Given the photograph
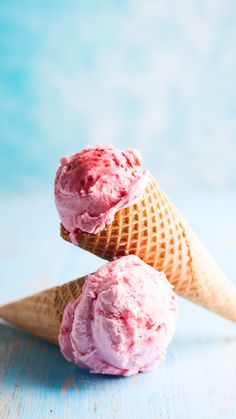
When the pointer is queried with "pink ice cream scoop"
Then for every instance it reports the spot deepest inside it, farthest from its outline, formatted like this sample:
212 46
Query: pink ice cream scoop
92 185
122 322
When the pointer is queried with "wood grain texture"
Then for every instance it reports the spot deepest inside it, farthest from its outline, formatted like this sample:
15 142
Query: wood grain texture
198 379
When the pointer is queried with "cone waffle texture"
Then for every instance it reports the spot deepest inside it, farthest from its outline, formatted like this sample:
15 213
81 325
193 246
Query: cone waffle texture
41 314
154 230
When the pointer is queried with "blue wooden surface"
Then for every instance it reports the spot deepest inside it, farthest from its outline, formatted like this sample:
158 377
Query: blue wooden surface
198 379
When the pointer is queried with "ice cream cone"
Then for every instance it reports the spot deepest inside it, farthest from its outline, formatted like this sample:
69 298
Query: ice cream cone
154 230
41 314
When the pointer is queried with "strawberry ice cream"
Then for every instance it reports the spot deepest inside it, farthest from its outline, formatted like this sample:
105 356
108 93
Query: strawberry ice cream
92 185
122 322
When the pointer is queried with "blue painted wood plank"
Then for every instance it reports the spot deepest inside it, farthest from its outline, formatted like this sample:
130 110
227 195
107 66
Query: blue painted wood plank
198 379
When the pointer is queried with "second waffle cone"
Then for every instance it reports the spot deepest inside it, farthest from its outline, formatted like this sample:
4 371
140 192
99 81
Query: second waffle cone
154 230
41 314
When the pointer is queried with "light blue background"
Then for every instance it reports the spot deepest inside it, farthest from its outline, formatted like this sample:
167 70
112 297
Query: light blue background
155 75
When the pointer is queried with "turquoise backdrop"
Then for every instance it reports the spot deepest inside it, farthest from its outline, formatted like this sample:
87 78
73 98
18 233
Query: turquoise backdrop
158 75
155 75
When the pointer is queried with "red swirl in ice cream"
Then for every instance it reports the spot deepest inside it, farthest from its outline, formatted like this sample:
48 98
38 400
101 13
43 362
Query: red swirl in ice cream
92 185
122 322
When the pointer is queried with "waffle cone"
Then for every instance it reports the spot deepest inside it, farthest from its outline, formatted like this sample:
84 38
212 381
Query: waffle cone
154 230
41 314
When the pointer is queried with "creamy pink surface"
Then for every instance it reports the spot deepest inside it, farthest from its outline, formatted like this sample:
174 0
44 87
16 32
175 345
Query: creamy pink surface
92 185
122 322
